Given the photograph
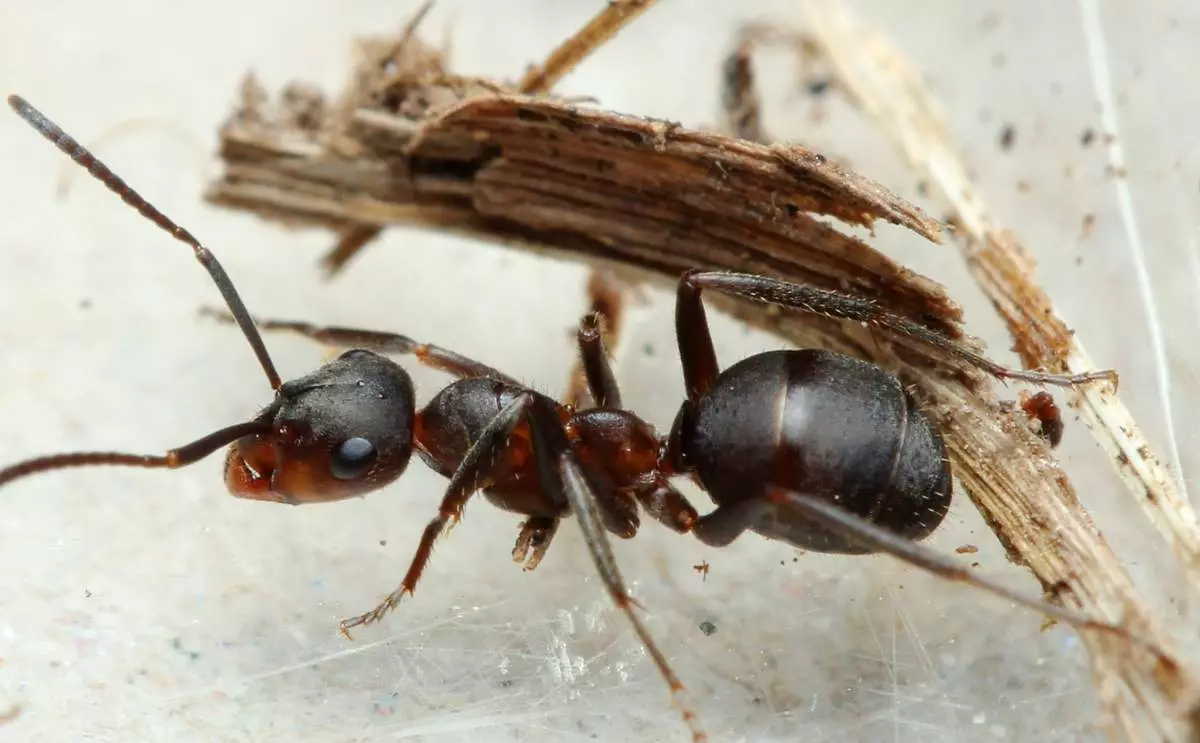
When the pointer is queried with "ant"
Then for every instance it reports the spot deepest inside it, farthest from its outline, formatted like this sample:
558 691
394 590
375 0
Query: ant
814 448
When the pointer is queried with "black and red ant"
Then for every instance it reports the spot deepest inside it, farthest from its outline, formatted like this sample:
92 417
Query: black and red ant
814 448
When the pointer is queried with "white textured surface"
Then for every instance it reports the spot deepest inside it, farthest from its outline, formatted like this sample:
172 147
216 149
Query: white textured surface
150 606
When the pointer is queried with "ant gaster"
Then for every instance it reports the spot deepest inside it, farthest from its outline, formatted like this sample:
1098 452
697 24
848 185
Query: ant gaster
814 448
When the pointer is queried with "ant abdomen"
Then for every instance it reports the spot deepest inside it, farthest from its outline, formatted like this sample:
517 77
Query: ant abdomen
825 425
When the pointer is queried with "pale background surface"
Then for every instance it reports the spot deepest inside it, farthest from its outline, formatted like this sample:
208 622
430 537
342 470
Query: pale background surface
149 606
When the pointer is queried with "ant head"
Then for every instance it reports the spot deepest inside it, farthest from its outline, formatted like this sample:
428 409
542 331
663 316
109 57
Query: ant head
342 431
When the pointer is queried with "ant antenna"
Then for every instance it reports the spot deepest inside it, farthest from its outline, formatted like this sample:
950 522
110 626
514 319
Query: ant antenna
105 175
173 459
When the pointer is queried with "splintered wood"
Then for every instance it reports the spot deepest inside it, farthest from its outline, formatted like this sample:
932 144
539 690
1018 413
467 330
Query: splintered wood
468 156
409 142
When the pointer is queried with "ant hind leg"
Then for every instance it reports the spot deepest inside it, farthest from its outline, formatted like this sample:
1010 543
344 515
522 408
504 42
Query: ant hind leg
878 539
803 298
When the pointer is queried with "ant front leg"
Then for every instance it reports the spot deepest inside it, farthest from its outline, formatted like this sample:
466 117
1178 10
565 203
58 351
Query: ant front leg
471 476
836 305
380 342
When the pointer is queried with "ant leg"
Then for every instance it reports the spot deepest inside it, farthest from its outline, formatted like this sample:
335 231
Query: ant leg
866 311
597 369
878 539
738 97
380 342
471 476
669 507
563 478
349 244
725 524
536 534
694 338
848 307
592 376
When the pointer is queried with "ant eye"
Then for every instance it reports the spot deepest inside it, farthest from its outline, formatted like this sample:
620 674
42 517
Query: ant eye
352 458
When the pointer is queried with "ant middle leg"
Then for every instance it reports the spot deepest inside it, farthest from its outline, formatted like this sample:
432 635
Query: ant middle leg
562 477
597 368
380 342
592 377
694 338
534 540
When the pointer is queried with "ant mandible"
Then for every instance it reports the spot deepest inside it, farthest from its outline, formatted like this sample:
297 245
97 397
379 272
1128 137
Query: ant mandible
810 447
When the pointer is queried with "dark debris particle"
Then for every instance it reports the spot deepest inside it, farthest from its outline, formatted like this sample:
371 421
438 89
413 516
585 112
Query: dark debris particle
818 86
708 628
1008 136
1088 136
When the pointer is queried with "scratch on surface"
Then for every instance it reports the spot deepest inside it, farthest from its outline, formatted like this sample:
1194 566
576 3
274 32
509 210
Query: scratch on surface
890 664
1038 698
1097 49
914 637
225 685
903 700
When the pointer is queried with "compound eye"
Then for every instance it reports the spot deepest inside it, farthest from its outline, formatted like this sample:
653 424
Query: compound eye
352 458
